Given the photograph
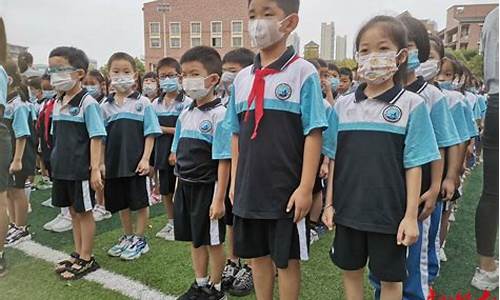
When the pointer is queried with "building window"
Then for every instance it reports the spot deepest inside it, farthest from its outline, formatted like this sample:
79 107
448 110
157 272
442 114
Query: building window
195 34
216 34
154 35
175 35
465 31
236 34
154 42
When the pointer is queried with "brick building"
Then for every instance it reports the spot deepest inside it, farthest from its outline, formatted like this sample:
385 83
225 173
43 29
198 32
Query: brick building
464 24
173 26
311 50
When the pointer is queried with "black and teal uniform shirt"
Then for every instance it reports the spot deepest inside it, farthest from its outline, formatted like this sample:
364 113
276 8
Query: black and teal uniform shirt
127 126
270 166
200 141
470 123
374 142
167 116
73 126
18 118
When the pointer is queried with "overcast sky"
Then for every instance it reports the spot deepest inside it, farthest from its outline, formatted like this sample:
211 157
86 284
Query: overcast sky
101 27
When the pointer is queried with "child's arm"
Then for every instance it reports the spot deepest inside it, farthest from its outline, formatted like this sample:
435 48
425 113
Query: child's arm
95 162
17 164
143 166
449 186
21 128
408 228
302 197
324 168
329 211
151 130
167 130
430 196
217 208
235 151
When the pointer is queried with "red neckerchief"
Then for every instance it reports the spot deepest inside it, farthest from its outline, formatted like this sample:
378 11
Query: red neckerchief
257 94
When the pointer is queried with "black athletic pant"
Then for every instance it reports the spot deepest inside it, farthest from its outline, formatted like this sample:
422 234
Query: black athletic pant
487 209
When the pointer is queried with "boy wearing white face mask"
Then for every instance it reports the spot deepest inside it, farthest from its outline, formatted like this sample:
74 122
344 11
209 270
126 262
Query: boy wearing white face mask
77 131
132 126
233 62
202 150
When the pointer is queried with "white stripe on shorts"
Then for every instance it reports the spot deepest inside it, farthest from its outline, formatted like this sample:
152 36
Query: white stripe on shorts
301 229
424 257
87 202
214 226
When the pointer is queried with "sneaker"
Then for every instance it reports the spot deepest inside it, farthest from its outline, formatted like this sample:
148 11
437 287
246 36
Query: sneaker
20 235
47 203
314 237
123 243
243 284
138 247
452 216
167 232
321 229
211 293
100 213
48 226
63 224
43 184
3 265
229 274
193 293
442 255
485 281
11 230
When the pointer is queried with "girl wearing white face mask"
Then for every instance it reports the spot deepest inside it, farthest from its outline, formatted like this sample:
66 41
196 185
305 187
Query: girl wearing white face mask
95 84
150 85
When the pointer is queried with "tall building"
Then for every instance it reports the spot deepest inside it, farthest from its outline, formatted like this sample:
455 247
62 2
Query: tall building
13 51
464 24
341 51
327 49
173 26
311 50
294 40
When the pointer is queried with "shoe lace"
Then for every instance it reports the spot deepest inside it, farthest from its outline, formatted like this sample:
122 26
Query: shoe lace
244 280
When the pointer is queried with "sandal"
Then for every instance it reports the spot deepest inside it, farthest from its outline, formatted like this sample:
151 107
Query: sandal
79 269
65 264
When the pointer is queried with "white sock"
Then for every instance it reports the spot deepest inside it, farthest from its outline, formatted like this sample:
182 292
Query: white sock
218 286
65 211
201 282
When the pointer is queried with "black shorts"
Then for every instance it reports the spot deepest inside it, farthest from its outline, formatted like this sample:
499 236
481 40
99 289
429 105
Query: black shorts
353 248
167 181
5 157
281 239
126 193
18 180
318 186
75 193
228 216
191 215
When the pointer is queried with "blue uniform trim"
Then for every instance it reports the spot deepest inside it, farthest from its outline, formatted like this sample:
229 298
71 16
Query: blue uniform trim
4 82
231 121
444 127
311 105
221 147
151 123
124 115
93 121
20 123
68 118
271 104
371 126
330 135
175 142
470 122
168 114
420 142
458 115
191 134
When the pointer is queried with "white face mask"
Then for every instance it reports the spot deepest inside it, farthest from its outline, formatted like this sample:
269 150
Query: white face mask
149 89
428 69
228 77
195 87
122 83
378 67
62 81
265 32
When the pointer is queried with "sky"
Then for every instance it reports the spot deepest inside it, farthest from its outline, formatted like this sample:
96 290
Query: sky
102 27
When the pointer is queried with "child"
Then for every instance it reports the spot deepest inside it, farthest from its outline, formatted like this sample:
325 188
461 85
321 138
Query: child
335 79
273 173
382 136
78 129
236 278
95 84
150 85
327 85
168 106
201 147
345 81
132 126
18 117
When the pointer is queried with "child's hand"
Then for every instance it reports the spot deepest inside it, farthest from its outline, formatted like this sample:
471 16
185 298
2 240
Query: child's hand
102 169
325 84
302 200
407 232
143 167
172 159
328 215
15 166
429 199
323 170
217 210
448 188
96 180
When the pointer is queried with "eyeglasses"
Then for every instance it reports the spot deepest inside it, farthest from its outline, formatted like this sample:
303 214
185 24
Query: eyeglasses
172 76
54 70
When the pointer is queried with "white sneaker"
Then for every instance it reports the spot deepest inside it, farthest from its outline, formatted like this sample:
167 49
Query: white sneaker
29 208
48 226
64 224
47 203
314 237
485 281
442 255
167 233
100 213
452 216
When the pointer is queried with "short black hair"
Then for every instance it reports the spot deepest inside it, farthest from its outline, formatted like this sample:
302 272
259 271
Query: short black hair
150 75
333 67
322 63
97 75
169 62
315 63
457 70
122 56
417 33
397 33
75 57
437 43
241 56
45 77
24 60
288 6
207 56
346 72
34 82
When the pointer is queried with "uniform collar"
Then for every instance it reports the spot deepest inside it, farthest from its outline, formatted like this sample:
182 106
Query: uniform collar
417 86
133 96
278 64
389 96
76 100
178 98
207 106
11 97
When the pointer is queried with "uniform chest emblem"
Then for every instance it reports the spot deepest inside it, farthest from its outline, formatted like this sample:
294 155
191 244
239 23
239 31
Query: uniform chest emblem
139 107
392 114
74 111
283 91
179 107
206 126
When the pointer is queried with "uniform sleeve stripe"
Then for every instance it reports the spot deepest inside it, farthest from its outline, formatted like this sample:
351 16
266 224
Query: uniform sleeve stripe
191 134
271 104
366 126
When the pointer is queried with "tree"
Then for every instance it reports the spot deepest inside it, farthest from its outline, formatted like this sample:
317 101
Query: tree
471 59
139 63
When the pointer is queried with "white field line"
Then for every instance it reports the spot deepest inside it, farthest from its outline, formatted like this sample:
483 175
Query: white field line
107 279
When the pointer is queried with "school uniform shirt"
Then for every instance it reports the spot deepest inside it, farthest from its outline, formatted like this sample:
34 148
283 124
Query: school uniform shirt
374 142
482 105
270 166
167 117
328 111
458 114
200 141
127 126
19 120
473 102
4 83
472 129
73 126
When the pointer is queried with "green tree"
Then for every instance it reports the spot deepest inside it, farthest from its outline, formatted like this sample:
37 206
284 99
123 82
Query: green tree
139 63
471 59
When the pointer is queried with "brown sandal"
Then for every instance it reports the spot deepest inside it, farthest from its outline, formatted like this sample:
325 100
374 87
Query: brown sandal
65 264
79 269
